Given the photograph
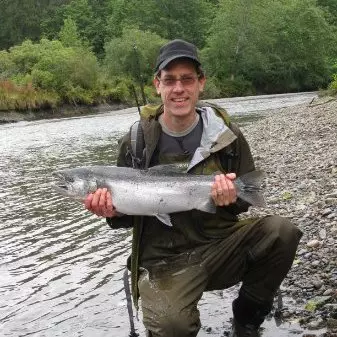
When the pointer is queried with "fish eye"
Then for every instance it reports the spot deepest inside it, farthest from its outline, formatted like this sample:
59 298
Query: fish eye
69 179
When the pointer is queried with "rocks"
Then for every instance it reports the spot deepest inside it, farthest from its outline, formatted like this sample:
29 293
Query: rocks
313 244
296 147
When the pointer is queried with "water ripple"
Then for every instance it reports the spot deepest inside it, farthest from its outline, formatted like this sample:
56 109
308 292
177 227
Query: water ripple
57 261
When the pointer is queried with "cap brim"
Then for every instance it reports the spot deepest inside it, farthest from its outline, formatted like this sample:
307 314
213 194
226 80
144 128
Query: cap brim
170 59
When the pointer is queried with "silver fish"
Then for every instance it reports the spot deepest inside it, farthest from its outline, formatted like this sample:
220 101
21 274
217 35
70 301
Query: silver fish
157 191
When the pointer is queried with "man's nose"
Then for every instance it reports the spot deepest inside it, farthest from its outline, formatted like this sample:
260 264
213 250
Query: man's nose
178 86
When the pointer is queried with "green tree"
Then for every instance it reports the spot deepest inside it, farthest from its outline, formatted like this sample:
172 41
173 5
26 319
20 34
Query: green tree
71 72
21 20
133 54
188 19
90 18
276 53
69 35
331 7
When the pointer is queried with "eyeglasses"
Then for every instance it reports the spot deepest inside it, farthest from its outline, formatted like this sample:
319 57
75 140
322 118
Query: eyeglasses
184 80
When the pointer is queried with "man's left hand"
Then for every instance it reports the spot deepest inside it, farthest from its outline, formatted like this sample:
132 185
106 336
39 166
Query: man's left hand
223 189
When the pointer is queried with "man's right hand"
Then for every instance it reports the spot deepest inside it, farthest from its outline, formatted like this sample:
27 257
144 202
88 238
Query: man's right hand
100 203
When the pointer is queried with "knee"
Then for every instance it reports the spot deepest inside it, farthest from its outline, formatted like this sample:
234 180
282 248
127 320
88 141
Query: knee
283 230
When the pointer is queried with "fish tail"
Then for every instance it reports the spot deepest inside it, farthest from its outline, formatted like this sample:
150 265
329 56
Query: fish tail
249 188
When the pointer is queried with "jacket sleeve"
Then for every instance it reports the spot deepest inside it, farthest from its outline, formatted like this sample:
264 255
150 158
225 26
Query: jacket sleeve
243 163
123 160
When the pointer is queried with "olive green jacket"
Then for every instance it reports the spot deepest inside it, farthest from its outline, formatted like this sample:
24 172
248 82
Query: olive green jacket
222 148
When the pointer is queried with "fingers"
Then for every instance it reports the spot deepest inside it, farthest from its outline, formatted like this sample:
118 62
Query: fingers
223 189
100 203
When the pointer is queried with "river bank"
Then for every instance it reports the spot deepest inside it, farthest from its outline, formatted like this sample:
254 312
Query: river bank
60 112
234 105
297 148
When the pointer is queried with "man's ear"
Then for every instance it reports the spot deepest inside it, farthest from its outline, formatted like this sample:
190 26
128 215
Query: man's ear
156 84
202 82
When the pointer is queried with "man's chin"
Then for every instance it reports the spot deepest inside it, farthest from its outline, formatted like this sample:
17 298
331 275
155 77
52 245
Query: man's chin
182 110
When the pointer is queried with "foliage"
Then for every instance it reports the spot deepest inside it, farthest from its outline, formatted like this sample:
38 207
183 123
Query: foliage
88 51
53 66
284 52
212 89
69 35
333 85
21 20
70 72
330 6
236 87
133 55
13 97
170 19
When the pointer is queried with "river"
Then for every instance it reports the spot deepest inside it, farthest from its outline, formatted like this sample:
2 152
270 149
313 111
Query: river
61 268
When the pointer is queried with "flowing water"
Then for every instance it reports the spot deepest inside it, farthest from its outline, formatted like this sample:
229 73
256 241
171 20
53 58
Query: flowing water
61 268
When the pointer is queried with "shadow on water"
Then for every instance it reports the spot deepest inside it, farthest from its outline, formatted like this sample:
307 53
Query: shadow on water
61 268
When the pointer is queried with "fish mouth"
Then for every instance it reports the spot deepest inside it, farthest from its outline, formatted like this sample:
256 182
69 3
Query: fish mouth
61 181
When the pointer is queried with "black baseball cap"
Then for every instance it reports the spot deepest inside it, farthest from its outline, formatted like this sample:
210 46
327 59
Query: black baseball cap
176 49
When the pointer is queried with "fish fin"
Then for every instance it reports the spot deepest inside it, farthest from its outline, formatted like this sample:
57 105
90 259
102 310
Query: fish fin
254 198
165 218
253 178
249 188
168 169
208 206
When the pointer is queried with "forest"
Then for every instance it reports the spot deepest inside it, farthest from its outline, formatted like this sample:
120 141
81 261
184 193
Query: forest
87 52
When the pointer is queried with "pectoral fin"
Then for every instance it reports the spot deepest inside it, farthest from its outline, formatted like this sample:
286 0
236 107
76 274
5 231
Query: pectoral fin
164 218
208 206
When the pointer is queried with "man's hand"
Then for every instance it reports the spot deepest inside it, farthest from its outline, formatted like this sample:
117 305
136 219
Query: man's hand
223 189
100 203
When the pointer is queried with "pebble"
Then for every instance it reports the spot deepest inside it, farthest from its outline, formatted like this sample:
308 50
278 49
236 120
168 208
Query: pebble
317 284
315 324
328 292
331 216
313 244
332 323
322 234
301 252
326 211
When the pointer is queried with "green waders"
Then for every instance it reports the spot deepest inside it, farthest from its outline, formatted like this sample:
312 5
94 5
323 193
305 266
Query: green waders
257 253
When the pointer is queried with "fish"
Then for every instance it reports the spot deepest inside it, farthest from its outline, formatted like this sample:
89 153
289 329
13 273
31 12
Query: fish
157 191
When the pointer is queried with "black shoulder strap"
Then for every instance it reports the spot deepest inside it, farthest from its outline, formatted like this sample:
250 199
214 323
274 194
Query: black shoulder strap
137 144
228 158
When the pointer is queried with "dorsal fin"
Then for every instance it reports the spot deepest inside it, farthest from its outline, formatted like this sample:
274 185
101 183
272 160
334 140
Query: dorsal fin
168 169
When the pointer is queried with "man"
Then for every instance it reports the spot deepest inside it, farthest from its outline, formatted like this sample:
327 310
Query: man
173 266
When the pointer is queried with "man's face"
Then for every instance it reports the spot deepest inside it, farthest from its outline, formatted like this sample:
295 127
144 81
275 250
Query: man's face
179 97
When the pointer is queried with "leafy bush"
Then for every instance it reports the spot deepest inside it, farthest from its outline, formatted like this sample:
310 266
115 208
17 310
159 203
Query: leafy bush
236 87
133 55
13 97
333 85
70 72
212 88
289 51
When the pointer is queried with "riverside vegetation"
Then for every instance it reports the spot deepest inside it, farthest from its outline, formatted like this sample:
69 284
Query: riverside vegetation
88 52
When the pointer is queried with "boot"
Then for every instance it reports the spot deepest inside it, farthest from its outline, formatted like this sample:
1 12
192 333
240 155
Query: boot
248 316
248 330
